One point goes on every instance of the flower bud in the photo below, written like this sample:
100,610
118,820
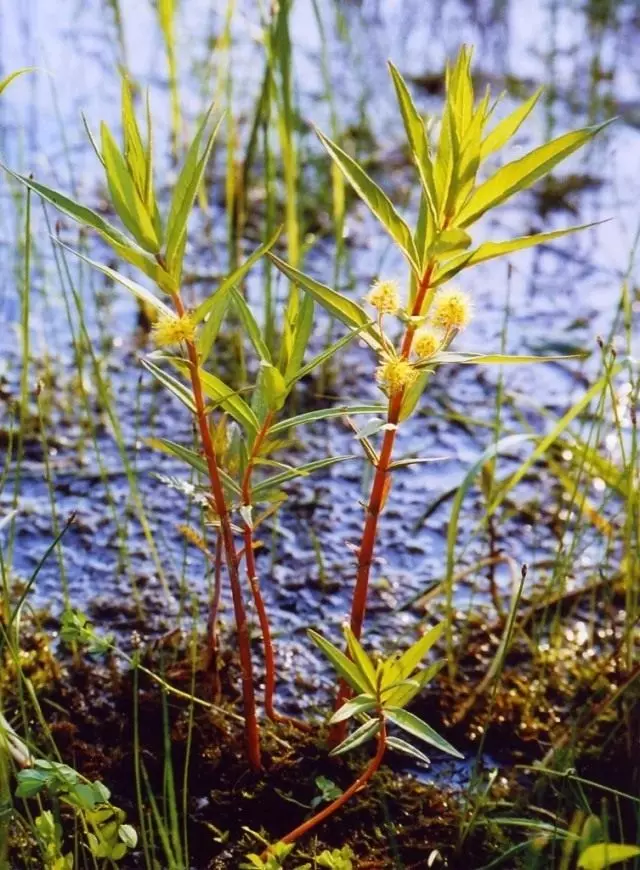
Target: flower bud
396,374
170,330
426,342
384,296
452,309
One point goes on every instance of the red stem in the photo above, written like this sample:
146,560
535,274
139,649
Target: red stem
252,575
360,782
377,498
252,733
212,627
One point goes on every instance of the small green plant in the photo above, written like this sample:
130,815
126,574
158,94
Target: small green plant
107,834
382,690
50,835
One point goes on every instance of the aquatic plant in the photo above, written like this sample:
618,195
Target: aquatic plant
437,250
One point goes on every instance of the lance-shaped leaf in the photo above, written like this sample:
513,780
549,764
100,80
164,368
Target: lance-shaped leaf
362,660
406,748
417,728
377,200
213,308
406,690
142,293
409,661
509,126
602,855
128,203
497,359
360,704
173,385
301,471
300,340
141,260
522,173
184,194
326,414
339,306
418,140
326,354
72,209
223,395
135,153
358,737
491,250
251,326
195,460
6,81
344,666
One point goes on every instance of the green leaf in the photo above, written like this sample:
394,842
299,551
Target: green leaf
322,357
223,395
358,737
73,209
135,153
360,704
522,173
272,386
495,359
140,292
361,659
343,665
377,200
508,127
251,326
603,855
406,748
300,340
179,390
6,81
301,471
185,192
409,661
195,460
412,396
339,306
446,161
128,835
490,250
215,305
418,139
326,414
406,690
30,782
417,728
125,197
138,258
449,242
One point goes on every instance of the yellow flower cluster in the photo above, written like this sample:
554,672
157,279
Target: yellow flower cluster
452,309
426,342
172,330
396,374
384,296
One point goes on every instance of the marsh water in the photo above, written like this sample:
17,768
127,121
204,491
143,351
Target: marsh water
554,300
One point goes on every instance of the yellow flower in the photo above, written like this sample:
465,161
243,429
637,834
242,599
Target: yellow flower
396,374
451,310
384,296
426,342
172,330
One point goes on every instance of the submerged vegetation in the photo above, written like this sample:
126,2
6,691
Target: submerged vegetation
147,729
